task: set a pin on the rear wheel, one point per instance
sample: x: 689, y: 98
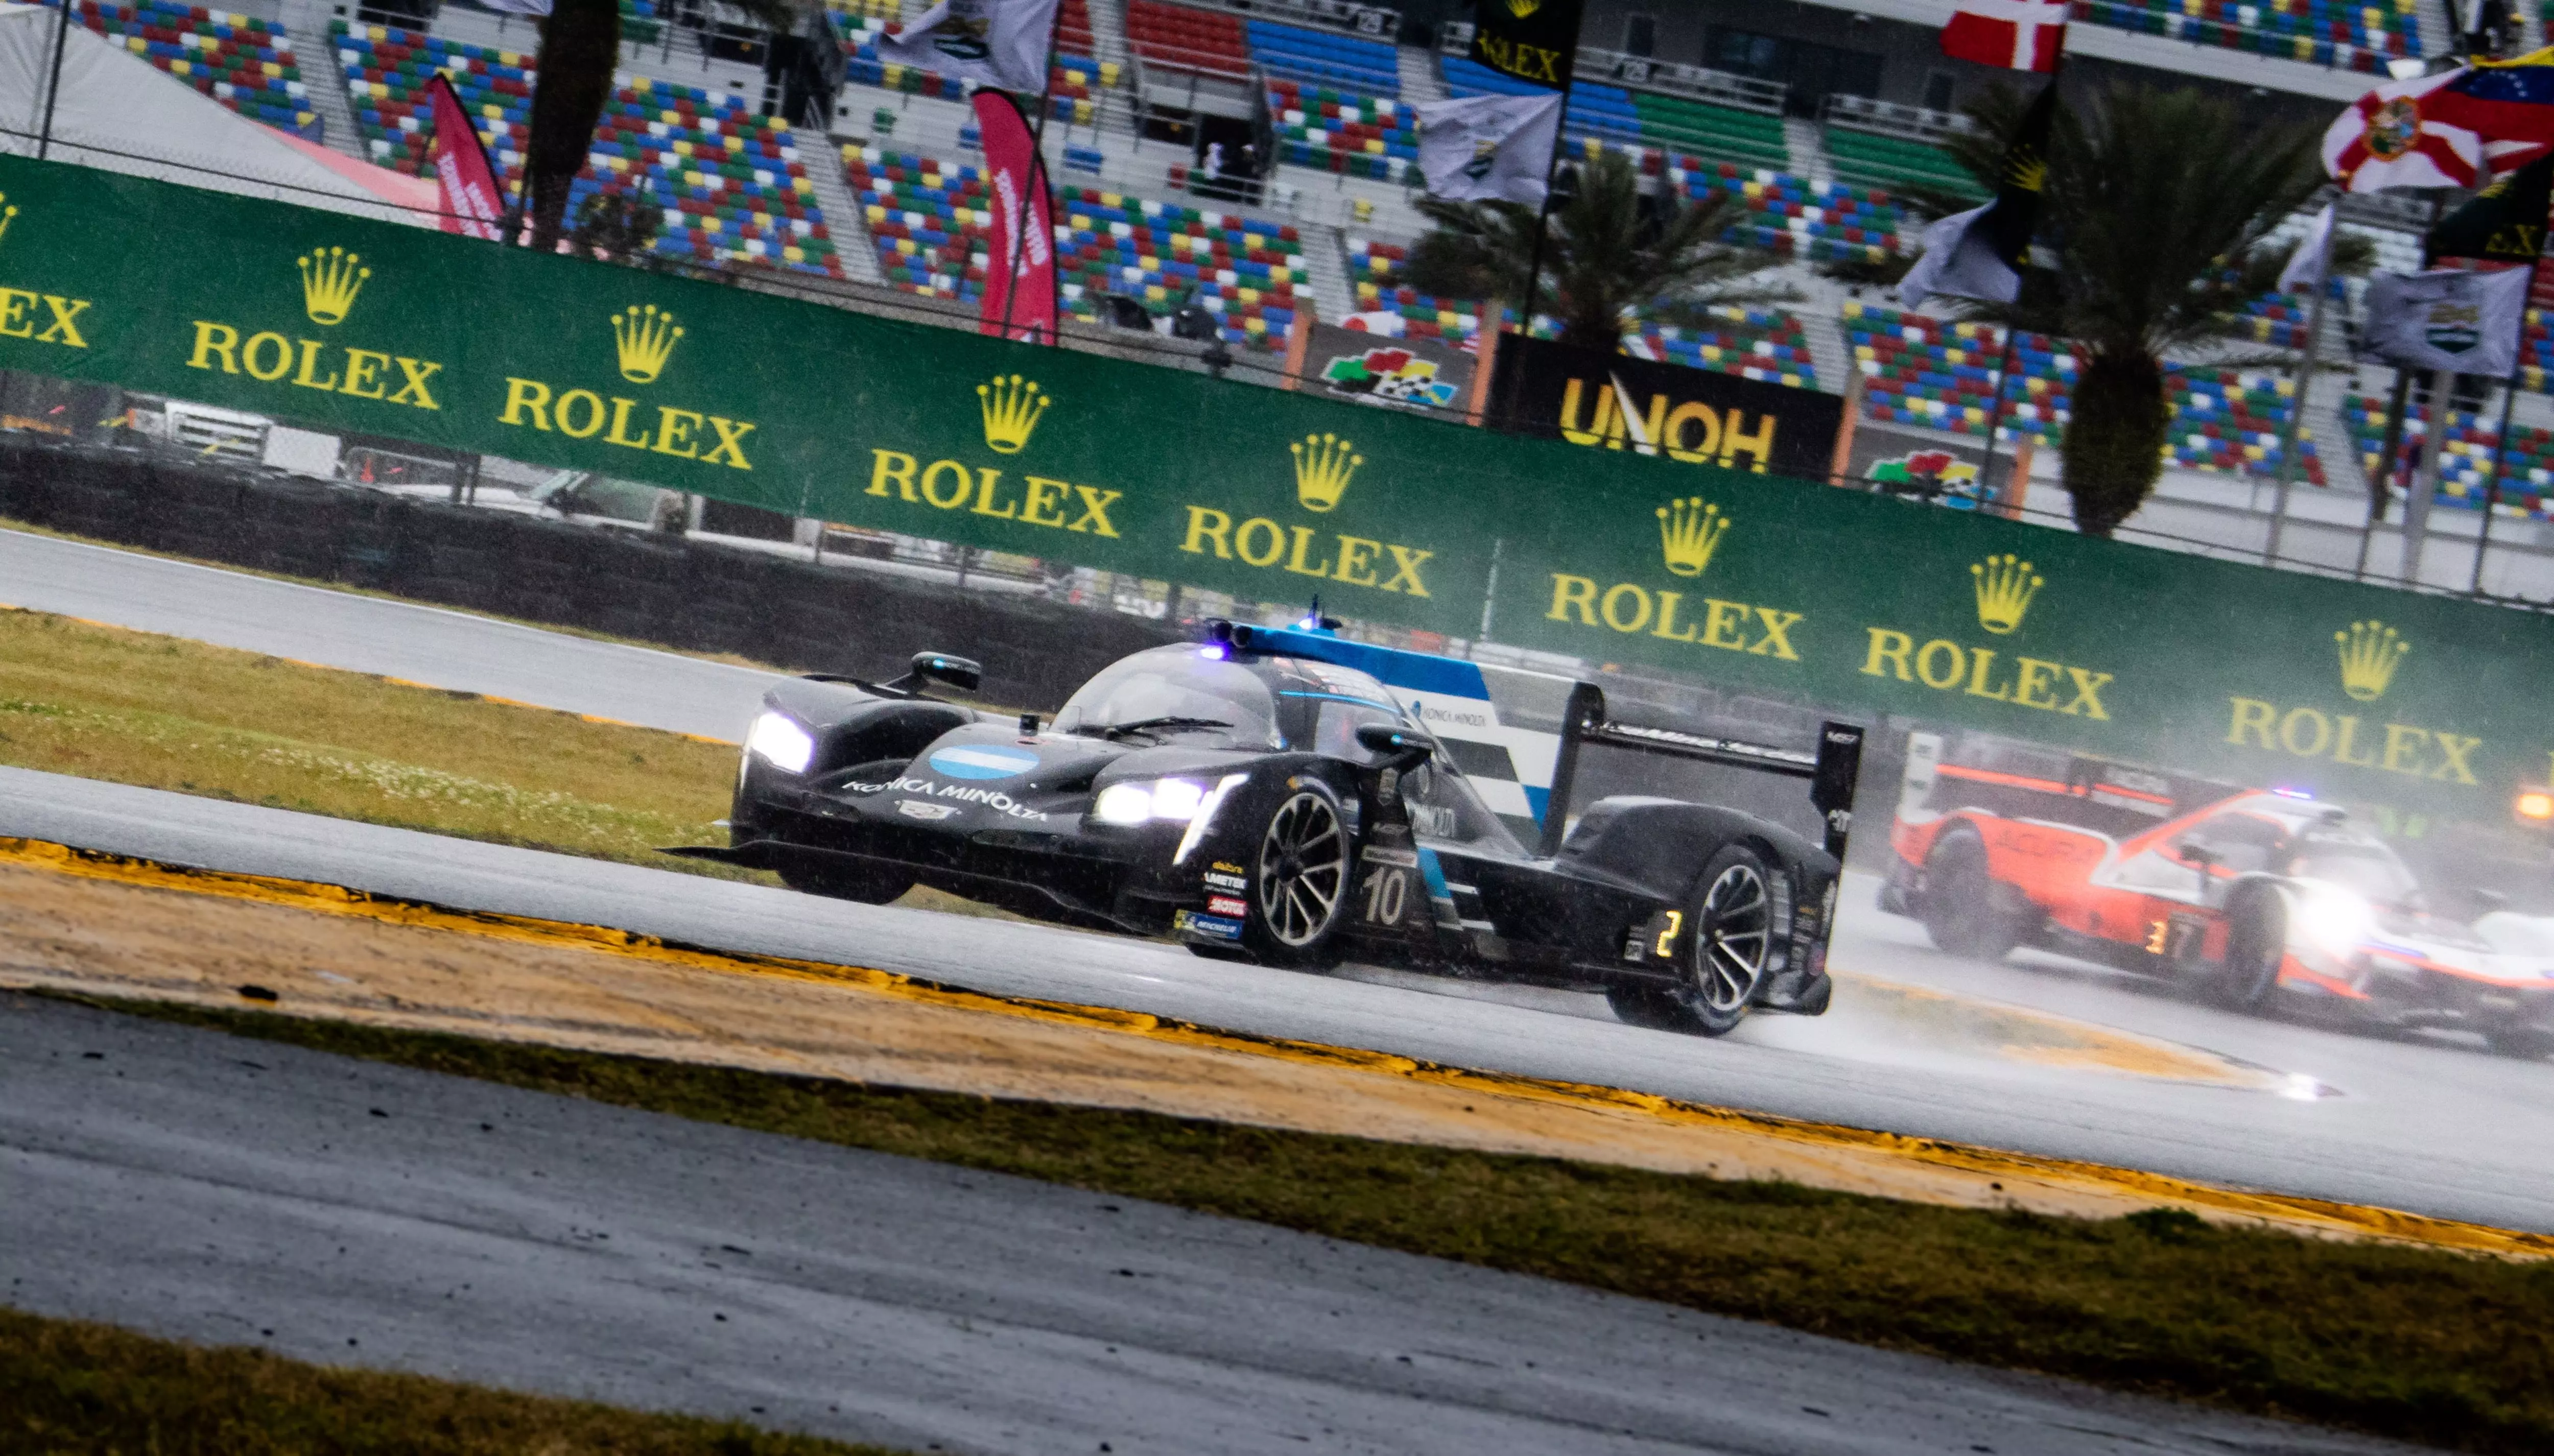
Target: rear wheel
x: 1298, y: 891
x: 863, y: 884
x: 1640, y: 1006
x: 2527, y: 1044
x: 2256, y: 942
x: 1729, y: 948
x: 1959, y: 908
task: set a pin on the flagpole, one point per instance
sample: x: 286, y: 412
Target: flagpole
x: 2289, y: 441
x: 1037, y: 174
x: 1995, y: 415
x: 2501, y: 442
x: 2381, y: 487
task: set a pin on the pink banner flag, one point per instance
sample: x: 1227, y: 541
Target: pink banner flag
x: 464, y: 182
x: 1020, y: 272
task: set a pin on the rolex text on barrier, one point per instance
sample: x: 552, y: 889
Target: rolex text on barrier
x: 1655, y: 532
x: 1693, y: 416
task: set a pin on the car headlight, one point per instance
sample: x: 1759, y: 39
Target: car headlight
x: 1169, y: 801
x: 2336, y: 920
x: 781, y: 742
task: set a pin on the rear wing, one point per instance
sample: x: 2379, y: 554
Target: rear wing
x: 1516, y: 733
x: 1832, y: 770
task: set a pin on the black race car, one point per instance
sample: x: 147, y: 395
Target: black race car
x: 1265, y: 796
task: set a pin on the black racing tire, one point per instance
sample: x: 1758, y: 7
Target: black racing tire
x: 864, y: 886
x: 1643, y: 1006
x: 1730, y: 935
x: 2525, y: 1043
x: 1299, y: 877
x: 1959, y: 907
x: 2256, y: 942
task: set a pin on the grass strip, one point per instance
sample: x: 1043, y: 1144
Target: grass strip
x: 70, y: 1388
x: 164, y: 713
x: 2411, y: 1343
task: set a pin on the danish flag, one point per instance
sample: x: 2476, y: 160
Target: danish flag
x: 2018, y: 35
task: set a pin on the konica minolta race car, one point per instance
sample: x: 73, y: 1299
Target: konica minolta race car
x: 2251, y: 895
x: 1277, y: 795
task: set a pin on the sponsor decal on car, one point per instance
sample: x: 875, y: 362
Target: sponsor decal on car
x: 1222, y: 866
x: 993, y: 799
x: 1217, y: 879
x: 916, y: 808
x: 983, y: 761
x: 1211, y: 926
x: 1225, y: 905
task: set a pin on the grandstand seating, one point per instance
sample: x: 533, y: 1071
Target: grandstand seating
x: 1185, y: 38
x: 1790, y: 216
x: 1938, y: 374
x: 2536, y: 349
x: 1756, y: 343
x: 1873, y: 160
x: 2339, y: 33
x: 1325, y: 59
x: 2465, y: 464
x: 1374, y: 272
x: 243, y: 63
x: 729, y: 183
x: 929, y: 221
x: 1366, y: 137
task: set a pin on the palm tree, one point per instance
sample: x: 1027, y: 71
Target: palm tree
x: 1602, y: 259
x: 2157, y: 206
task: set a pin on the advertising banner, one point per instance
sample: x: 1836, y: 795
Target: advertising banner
x: 1616, y: 403
x: 1926, y: 465
x: 1585, y: 544
x: 1019, y: 274
x: 1430, y: 376
x: 1533, y: 40
x: 465, y: 185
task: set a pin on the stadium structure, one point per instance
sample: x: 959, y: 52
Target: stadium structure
x: 1257, y: 159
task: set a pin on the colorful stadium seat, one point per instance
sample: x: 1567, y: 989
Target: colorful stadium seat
x: 2465, y: 461
x: 2335, y: 32
x: 1075, y: 80
x: 1873, y: 160
x: 728, y: 183
x: 1183, y: 37
x: 1341, y: 130
x: 1784, y: 214
x: 243, y: 63
x: 1938, y: 374
x: 1323, y: 59
x: 929, y: 222
x: 1756, y: 343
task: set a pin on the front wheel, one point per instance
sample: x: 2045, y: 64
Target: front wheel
x: 2257, y: 943
x: 1299, y: 890
x: 1729, y: 945
x: 1960, y: 913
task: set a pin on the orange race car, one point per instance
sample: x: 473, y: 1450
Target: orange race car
x: 2248, y: 894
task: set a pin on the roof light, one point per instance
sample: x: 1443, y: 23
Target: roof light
x: 2292, y: 793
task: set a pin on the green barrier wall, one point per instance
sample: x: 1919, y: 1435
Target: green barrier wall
x: 1752, y: 581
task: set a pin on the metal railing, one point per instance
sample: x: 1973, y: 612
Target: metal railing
x: 1890, y: 119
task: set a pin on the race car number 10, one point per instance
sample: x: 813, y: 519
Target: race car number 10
x: 1387, y: 894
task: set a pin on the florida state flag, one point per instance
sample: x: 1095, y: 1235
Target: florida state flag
x: 1019, y: 265
x: 466, y: 183
x: 2018, y: 35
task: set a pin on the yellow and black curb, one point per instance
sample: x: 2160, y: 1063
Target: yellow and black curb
x: 2346, y: 1219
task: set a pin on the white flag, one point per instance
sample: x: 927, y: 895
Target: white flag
x: 2464, y: 323
x: 992, y: 42
x: 1480, y: 147
x: 1961, y: 263
x: 2306, y: 270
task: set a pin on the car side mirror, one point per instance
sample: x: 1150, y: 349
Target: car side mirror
x: 1402, y: 747
x: 963, y: 673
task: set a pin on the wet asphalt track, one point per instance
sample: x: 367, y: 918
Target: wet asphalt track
x: 2432, y: 1126
x: 231, y: 1192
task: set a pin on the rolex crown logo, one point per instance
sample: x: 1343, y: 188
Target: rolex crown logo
x: 1013, y: 407
x: 1324, y: 464
x: 1689, y: 532
x: 1523, y: 8
x: 2369, y: 651
x: 2005, y: 586
x: 644, y: 340
x: 8, y: 214
x: 330, y: 280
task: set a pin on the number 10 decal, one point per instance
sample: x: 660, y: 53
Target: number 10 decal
x: 1387, y: 894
